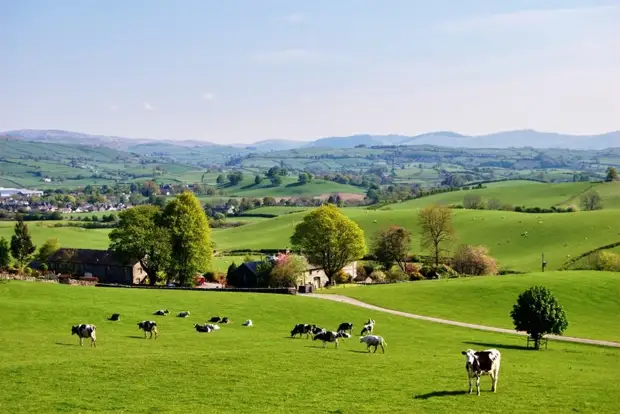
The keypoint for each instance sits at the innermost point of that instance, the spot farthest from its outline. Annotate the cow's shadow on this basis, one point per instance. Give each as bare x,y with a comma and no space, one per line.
65,344
500,346
136,337
439,394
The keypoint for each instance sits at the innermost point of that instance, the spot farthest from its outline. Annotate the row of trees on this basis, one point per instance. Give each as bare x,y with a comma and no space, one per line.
22,251
172,243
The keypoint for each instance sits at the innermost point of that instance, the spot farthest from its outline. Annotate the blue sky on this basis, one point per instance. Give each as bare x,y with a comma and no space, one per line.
246,70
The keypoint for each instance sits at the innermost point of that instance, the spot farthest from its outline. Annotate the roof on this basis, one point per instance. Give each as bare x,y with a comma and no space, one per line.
251,266
88,256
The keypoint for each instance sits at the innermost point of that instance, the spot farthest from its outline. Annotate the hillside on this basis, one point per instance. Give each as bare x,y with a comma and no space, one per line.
587,297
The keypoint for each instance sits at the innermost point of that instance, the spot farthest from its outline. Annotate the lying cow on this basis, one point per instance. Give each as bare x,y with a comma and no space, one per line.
368,327
150,327
247,323
207,327
327,336
482,363
225,320
115,317
302,328
161,312
374,340
215,319
346,326
183,314
85,330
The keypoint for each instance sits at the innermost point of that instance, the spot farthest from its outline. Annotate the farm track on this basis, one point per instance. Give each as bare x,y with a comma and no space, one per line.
355,302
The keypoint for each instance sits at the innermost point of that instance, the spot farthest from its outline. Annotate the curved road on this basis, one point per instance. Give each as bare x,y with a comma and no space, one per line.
355,302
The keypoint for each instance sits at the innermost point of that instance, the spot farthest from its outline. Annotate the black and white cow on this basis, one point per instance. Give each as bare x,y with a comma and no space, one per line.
368,328
374,340
85,330
115,317
215,319
480,363
206,327
161,312
183,314
317,330
327,336
301,329
346,326
225,320
150,327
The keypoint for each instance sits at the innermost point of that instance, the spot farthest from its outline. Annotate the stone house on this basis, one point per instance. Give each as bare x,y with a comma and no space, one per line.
103,264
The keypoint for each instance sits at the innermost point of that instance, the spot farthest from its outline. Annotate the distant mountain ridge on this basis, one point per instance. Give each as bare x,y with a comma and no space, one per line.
505,139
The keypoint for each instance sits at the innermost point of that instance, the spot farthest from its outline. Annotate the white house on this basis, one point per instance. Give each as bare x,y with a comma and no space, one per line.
316,275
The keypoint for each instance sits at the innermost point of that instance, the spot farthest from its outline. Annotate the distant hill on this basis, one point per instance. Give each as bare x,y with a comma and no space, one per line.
506,139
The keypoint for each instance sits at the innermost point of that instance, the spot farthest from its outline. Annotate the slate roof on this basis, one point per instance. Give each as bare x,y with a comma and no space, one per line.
88,256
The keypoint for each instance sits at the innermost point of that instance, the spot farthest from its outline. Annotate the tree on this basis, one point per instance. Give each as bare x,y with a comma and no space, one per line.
149,188
473,202
329,239
437,232
5,253
141,235
612,174
190,236
21,244
288,271
220,179
538,313
591,201
258,179
269,201
235,177
47,249
276,180
474,260
392,246
304,178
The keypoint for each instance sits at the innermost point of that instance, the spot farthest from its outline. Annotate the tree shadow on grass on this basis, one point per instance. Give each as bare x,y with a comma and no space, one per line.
500,346
439,394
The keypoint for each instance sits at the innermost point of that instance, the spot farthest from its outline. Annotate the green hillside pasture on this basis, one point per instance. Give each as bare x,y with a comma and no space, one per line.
556,235
515,193
275,210
590,299
610,193
289,188
67,236
261,369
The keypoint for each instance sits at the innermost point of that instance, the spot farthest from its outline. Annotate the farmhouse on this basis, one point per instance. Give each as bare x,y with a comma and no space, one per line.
103,264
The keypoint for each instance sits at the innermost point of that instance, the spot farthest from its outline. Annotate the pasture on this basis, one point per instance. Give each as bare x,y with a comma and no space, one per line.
260,369
589,299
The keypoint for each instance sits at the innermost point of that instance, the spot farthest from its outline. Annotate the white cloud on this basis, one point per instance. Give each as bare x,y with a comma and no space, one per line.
286,56
522,18
148,107
208,96
294,18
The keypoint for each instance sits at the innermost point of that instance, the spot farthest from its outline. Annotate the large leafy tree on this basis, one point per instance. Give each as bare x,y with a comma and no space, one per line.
190,237
612,174
5,253
141,235
329,239
538,313
22,248
437,231
392,246
47,249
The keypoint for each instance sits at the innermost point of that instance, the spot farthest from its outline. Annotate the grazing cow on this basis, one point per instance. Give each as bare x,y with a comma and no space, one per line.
183,314
85,330
225,320
346,326
482,363
317,330
150,327
327,336
248,323
161,312
203,328
343,335
115,317
368,327
215,319
302,328
374,340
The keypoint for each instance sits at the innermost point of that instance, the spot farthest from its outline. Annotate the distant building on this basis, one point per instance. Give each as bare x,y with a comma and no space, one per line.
103,264
10,192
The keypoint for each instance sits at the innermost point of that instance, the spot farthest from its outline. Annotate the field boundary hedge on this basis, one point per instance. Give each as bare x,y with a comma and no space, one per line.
282,291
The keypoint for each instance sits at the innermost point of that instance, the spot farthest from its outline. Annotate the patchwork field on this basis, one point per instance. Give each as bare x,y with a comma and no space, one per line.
589,298
261,369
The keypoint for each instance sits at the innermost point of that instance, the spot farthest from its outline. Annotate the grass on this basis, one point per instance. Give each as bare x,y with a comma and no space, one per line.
589,299
261,369
67,236
289,188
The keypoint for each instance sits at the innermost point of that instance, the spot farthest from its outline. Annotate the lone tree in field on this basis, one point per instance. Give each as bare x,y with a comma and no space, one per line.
437,231
392,246
329,239
22,248
591,201
190,237
5,253
141,235
538,313
612,174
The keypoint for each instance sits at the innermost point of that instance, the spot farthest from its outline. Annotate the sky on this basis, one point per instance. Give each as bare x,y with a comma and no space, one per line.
240,71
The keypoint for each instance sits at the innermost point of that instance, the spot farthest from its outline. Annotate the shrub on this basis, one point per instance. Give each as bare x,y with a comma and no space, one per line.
342,277
44,267
377,276
413,271
473,202
396,275
604,261
361,272
441,271
494,204
288,271
474,260
210,277
27,271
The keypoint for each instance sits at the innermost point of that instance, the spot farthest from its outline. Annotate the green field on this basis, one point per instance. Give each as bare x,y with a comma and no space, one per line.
589,298
289,188
260,369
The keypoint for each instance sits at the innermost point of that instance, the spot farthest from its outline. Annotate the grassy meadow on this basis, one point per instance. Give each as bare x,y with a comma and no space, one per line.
261,369
589,298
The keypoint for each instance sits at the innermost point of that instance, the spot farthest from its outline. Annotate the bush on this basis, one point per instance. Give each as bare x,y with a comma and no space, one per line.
441,271
377,276
396,275
474,260
604,261
27,271
361,272
494,204
413,271
210,277
44,267
473,202
342,277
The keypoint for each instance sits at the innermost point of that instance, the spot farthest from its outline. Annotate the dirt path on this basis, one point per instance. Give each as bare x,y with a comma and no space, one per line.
355,302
